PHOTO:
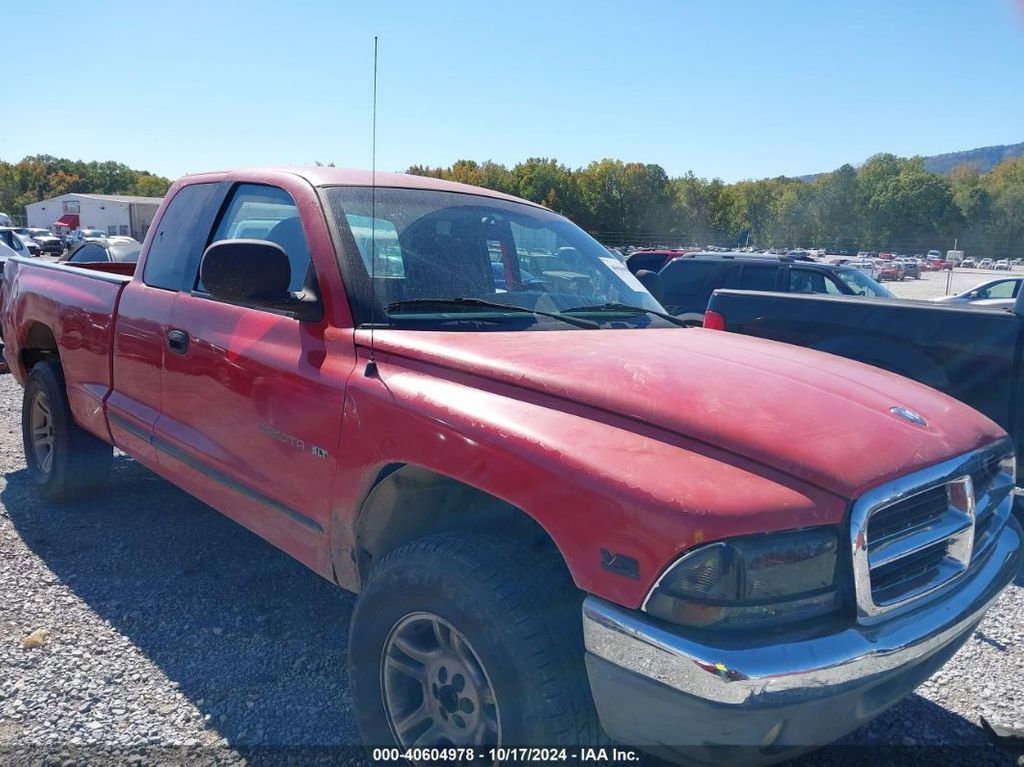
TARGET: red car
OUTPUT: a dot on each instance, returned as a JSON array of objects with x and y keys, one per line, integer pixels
[
  {"x": 566, "y": 517},
  {"x": 890, "y": 271}
]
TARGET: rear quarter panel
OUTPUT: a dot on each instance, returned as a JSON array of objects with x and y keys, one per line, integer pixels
[{"x": 77, "y": 306}]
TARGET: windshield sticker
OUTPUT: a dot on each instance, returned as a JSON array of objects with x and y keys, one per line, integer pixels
[{"x": 623, "y": 273}]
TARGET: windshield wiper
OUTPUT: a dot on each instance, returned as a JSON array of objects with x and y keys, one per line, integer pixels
[
  {"x": 480, "y": 303},
  {"x": 612, "y": 307}
]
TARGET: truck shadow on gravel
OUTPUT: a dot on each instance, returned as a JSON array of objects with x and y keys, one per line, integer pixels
[
  {"x": 252, "y": 638},
  {"x": 258, "y": 643}
]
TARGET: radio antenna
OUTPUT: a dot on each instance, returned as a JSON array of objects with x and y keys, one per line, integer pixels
[{"x": 371, "y": 365}]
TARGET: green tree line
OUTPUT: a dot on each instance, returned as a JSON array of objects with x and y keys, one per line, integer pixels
[
  {"x": 888, "y": 203},
  {"x": 41, "y": 177}
]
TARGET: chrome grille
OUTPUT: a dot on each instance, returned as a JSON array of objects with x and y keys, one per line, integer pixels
[{"x": 917, "y": 535}]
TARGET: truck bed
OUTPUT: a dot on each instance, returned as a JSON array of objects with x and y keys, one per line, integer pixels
[{"x": 75, "y": 306}]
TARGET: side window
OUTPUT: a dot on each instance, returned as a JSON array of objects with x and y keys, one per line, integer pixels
[
  {"x": 686, "y": 278},
  {"x": 178, "y": 237},
  {"x": 731, "y": 279},
  {"x": 1004, "y": 289},
  {"x": 832, "y": 287},
  {"x": 258, "y": 212},
  {"x": 758, "y": 277},
  {"x": 807, "y": 281}
]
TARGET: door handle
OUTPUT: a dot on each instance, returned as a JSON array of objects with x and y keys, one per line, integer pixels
[{"x": 177, "y": 341}]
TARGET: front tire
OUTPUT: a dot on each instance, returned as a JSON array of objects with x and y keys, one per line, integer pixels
[
  {"x": 465, "y": 639},
  {"x": 64, "y": 460}
]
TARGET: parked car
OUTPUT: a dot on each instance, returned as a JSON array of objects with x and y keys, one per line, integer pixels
[
  {"x": 10, "y": 237},
  {"x": 910, "y": 268},
  {"x": 866, "y": 266},
  {"x": 1003, "y": 265},
  {"x": 47, "y": 241},
  {"x": 985, "y": 263},
  {"x": 78, "y": 236},
  {"x": 1004, "y": 290},
  {"x": 968, "y": 263},
  {"x": 687, "y": 283},
  {"x": 652, "y": 260},
  {"x": 889, "y": 270},
  {"x": 106, "y": 250},
  {"x": 567, "y": 518},
  {"x": 32, "y": 245},
  {"x": 7, "y": 252},
  {"x": 935, "y": 254}
]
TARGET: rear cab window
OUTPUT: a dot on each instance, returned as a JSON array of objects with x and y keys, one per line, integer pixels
[{"x": 181, "y": 236}]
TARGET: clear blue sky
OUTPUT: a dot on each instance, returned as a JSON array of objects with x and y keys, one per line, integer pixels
[{"x": 729, "y": 89}]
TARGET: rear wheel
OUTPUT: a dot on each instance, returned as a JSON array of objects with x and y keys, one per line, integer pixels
[
  {"x": 63, "y": 460},
  {"x": 461, "y": 640}
]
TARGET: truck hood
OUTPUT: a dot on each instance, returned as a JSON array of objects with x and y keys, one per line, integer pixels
[{"x": 817, "y": 417}]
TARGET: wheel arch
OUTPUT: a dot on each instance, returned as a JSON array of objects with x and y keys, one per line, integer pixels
[
  {"x": 38, "y": 343},
  {"x": 408, "y": 502}
]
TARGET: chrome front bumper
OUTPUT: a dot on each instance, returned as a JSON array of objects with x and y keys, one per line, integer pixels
[{"x": 790, "y": 690}]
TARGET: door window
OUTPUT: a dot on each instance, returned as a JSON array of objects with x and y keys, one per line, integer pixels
[
  {"x": 1004, "y": 289},
  {"x": 257, "y": 212},
  {"x": 810, "y": 281}
]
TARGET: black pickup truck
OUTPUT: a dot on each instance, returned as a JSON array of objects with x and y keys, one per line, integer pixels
[{"x": 970, "y": 353}]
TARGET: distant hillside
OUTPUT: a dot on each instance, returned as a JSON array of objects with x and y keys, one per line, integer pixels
[{"x": 984, "y": 159}]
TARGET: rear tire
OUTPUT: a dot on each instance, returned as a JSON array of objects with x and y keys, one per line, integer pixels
[
  {"x": 517, "y": 676},
  {"x": 64, "y": 460}
]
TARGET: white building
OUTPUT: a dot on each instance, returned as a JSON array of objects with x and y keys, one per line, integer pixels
[{"x": 121, "y": 214}]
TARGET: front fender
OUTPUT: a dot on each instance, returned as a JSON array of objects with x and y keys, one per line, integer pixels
[{"x": 591, "y": 479}]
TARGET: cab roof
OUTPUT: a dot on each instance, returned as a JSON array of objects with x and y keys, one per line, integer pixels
[{"x": 327, "y": 176}]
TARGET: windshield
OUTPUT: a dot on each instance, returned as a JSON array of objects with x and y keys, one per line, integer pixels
[
  {"x": 861, "y": 284},
  {"x": 446, "y": 259}
]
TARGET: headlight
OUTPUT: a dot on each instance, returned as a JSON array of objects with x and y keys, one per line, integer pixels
[{"x": 754, "y": 581}]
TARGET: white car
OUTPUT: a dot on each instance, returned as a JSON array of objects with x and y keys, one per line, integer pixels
[
  {"x": 870, "y": 268},
  {"x": 5, "y": 253},
  {"x": 985, "y": 263},
  {"x": 10, "y": 238},
  {"x": 1002, "y": 265}
]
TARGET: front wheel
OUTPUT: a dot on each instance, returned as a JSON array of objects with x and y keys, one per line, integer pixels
[
  {"x": 63, "y": 459},
  {"x": 460, "y": 640}
]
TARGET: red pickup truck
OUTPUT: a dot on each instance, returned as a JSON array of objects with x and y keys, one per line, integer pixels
[{"x": 566, "y": 517}]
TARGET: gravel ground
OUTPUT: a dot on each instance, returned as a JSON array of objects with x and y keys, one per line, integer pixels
[{"x": 176, "y": 636}]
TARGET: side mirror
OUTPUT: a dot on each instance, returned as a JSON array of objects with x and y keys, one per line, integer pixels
[
  {"x": 255, "y": 273},
  {"x": 975, "y": 294},
  {"x": 652, "y": 281}
]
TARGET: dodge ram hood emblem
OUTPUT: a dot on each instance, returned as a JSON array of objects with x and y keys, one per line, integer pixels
[{"x": 908, "y": 415}]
